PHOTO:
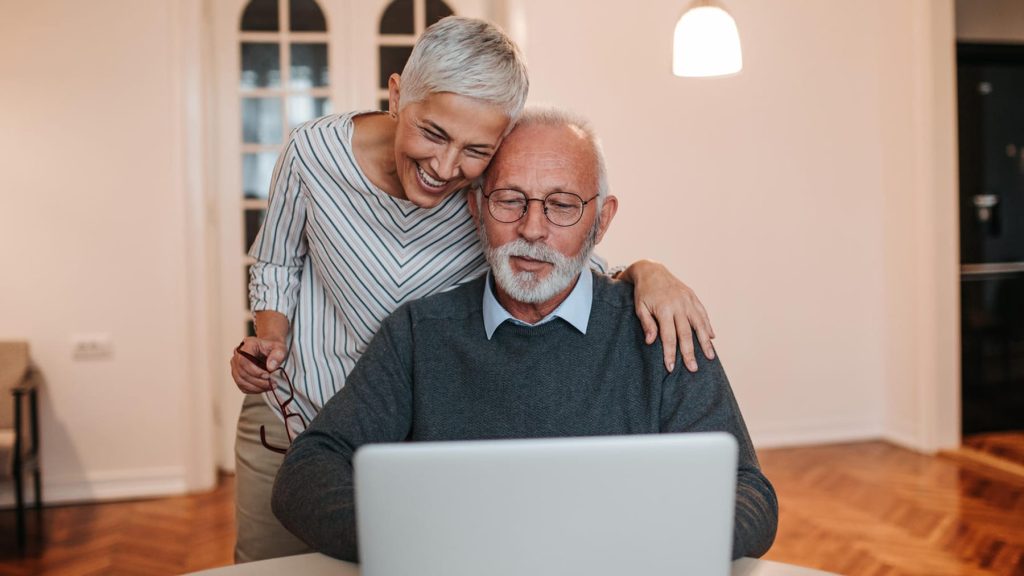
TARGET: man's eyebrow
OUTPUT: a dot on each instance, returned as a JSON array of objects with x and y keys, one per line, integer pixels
[{"x": 510, "y": 187}]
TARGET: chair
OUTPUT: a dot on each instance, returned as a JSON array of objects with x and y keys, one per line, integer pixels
[{"x": 19, "y": 436}]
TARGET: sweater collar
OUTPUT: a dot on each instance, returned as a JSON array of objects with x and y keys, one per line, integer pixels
[{"x": 575, "y": 309}]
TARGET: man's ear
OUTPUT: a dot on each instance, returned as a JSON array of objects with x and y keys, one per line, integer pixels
[
  {"x": 474, "y": 209},
  {"x": 608, "y": 210},
  {"x": 394, "y": 85}
]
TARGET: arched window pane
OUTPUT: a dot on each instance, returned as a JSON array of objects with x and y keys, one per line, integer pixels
[
  {"x": 260, "y": 16},
  {"x": 392, "y": 60},
  {"x": 261, "y": 66},
  {"x": 436, "y": 9},
  {"x": 305, "y": 16},
  {"x": 261, "y": 120},
  {"x": 398, "y": 18},
  {"x": 309, "y": 66}
]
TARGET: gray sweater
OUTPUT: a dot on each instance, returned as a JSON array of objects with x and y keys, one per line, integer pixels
[{"x": 431, "y": 374}]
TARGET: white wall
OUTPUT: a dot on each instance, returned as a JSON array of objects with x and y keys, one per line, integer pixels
[
  {"x": 94, "y": 223},
  {"x": 809, "y": 200},
  {"x": 780, "y": 194},
  {"x": 919, "y": 155}
]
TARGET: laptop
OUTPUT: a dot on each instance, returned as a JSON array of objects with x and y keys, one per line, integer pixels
[{"x": 655, "y": 505}]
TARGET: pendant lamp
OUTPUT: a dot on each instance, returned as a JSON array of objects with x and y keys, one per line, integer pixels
[{"x": 706, "y": 42}]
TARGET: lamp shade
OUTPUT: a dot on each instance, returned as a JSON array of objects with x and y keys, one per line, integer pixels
[{"x": 706, "y": 43}]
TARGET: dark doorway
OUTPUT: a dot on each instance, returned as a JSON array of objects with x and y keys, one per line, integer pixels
[{"x": 991, "y": 122}]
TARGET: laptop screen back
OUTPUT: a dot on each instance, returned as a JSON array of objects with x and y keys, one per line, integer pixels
[{"x": 659, "y": 505}]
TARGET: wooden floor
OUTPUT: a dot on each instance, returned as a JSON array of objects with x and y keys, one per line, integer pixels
[
  {"x": 867, "y": 509},
  {"x": 146, "y": 537},
  {"x": 875, "y": 509},
  {"x": 1007, "y": 446}
]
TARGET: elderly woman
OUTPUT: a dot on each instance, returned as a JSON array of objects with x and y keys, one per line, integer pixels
[{"x": 367, "y": 211}]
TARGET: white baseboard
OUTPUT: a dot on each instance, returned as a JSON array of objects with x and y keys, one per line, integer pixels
[
  {"x": 815, "y": 431},
  {"x": 102, "y": 486},
  {"x": 906, "y": 440}
]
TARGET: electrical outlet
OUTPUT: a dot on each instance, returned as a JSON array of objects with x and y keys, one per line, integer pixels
[{"x": 91, "y": 346}]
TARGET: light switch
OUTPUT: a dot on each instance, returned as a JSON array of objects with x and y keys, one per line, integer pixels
[{"x": 97, "y": 346}]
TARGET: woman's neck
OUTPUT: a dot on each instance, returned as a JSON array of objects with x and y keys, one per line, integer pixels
[{"x": 373, "y": 144}]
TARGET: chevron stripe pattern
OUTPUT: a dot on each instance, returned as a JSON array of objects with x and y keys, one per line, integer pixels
[
  {"x": 875, "y": 509},
  {"x": 368, "y": 252}
]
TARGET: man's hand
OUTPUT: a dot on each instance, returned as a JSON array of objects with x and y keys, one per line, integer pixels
[
  {"x": 251, "y": 378},
  {"x": 670, "y": 308}
]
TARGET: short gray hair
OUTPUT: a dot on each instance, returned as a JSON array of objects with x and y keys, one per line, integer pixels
[
  {"x": 552, "y": 116},
  {"x": 468, "y": 57}
]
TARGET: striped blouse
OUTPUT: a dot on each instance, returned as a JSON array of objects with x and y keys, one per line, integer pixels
[{"x": 337, "y": 255}]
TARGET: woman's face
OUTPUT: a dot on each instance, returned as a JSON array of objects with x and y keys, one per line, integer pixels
[{"x": 443, "y": 143}]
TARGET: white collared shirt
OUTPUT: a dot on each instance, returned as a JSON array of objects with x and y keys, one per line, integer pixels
[{"x": 575, "y": 309}]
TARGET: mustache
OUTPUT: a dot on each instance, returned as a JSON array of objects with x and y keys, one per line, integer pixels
[{"x": 532, "y": 250}]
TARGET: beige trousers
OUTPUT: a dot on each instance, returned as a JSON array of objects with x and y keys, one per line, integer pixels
[{"x": 260, "y": 535}]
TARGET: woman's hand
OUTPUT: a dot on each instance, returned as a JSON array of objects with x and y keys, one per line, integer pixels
[
  {"x": 249, "y": 377},
  {"x": 670, "y": 308},
  {"x": 271, "y": 329}
]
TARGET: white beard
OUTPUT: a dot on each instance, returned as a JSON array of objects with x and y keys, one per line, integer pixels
[{"x": 526, "y": 286}]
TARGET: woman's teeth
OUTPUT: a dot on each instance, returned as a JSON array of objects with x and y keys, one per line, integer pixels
[{"x": 428, "y": 180}]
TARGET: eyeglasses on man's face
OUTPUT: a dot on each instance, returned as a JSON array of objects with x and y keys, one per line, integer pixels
[
  {"x": 560, "y": 208},
  {"x": 289, "y": 417}
]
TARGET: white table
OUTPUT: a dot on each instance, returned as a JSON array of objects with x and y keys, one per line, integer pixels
[{"x": 320, "y": 565}]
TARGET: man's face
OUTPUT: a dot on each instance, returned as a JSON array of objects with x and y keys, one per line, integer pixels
[{"x": 534, "y": 260}]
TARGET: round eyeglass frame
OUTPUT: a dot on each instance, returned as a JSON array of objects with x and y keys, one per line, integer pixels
[{"x": 543, "y": 202}]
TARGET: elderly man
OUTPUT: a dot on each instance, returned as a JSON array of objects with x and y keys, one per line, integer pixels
[{"x": 540, "y": 347}]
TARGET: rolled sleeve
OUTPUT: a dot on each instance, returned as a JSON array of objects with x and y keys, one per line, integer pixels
[{"x": 273, "y": 287}]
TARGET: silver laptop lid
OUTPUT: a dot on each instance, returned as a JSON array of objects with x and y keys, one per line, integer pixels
[{"x": 657, "y": 505}]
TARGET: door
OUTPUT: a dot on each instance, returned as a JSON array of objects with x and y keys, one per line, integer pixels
[{"x": 991, "y": 123}]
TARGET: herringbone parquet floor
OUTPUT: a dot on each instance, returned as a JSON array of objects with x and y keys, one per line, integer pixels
[
  {"x": 145, "y": 537},
  {"x": 1008, "y": 446},
  {"x": 875, "y": 509},
  {"x": 869, "y": 509}
]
